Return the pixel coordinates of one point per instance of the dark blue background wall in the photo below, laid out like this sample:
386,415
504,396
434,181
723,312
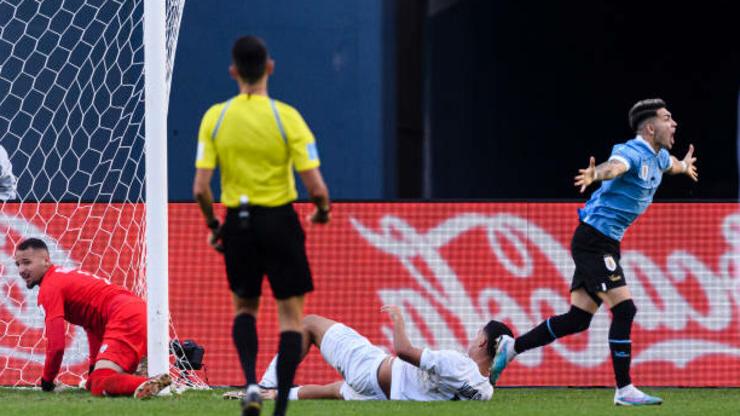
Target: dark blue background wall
332,64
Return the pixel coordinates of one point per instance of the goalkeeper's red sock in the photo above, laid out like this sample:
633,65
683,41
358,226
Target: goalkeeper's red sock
107,382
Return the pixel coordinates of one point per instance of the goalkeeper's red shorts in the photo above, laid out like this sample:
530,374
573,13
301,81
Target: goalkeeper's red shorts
124,339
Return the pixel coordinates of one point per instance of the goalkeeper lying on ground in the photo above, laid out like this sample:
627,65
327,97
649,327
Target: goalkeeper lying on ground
414,374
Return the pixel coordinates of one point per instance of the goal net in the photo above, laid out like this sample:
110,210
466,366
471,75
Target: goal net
72,113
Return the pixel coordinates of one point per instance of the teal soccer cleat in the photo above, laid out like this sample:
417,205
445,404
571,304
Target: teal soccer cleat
632,396
504,355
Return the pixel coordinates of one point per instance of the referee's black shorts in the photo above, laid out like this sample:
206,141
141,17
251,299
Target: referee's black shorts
597,262
272,243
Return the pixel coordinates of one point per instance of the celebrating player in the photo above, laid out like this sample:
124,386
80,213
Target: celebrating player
415,373
113,318
629,180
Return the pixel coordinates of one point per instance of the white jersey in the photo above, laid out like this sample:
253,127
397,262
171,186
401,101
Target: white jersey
7,180
441,375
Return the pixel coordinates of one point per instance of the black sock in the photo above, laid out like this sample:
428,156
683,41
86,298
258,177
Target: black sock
575,320
620,343
244,333
289,355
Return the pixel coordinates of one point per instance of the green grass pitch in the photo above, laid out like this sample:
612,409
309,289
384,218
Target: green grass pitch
506,401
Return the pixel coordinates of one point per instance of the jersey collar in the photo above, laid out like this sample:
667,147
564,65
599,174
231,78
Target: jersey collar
48,272
639,139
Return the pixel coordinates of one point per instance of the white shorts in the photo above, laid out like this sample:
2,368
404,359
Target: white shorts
356,359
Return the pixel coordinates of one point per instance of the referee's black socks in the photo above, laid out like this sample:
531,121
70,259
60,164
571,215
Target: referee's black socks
289,355
620,343
244,333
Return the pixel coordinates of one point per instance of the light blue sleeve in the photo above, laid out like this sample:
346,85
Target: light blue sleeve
664,160
625,155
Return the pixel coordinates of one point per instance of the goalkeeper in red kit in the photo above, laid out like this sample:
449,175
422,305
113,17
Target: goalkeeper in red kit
113,318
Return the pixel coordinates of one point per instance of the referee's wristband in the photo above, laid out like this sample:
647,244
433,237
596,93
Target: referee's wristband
213,224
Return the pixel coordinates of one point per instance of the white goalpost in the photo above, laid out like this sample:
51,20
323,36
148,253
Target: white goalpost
84,90
155,58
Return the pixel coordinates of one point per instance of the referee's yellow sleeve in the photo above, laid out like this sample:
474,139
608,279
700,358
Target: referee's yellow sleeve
301,141
206,157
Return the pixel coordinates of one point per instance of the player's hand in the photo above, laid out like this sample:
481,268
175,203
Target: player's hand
268,394
47,385
690,161
586,176
394,312
321,216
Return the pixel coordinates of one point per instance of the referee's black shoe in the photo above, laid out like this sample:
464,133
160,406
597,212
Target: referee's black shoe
252,401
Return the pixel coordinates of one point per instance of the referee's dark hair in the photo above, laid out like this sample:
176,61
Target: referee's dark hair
644,110
249,55
493,330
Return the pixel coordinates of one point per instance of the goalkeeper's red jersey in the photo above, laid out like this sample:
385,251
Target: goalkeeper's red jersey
80,298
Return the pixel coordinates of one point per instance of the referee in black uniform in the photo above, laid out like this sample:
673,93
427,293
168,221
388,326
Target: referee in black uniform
257,142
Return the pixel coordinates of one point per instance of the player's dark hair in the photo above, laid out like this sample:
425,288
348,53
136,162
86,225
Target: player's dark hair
34,243
249,55
493,330
644,110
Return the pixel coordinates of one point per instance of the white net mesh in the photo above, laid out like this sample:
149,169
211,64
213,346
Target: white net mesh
72,117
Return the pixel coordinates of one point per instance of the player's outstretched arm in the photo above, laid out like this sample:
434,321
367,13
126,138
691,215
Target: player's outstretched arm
686,166
54,352
604,172
401,343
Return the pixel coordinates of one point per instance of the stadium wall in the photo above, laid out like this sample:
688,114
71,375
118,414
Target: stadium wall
332,64
451,266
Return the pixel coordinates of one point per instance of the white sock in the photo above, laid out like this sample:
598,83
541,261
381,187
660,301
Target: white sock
293,394
269,378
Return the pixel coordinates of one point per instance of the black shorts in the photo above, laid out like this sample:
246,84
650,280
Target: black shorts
271,242
597,262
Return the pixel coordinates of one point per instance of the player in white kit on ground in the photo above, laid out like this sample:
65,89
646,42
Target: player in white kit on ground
414,373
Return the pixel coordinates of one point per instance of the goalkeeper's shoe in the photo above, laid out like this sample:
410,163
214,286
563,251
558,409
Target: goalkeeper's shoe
152,386
252,401
504,354
631,396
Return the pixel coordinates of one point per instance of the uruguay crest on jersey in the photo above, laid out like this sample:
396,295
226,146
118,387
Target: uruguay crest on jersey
644,171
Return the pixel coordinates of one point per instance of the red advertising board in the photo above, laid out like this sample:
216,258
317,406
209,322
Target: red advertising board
450,266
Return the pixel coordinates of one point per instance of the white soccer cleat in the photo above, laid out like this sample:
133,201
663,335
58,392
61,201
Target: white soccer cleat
632,396
504,354
152,386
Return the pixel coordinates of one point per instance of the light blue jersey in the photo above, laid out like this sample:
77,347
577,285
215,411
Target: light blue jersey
618,202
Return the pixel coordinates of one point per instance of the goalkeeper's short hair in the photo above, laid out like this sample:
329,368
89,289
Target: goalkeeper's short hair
34,243
493,330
